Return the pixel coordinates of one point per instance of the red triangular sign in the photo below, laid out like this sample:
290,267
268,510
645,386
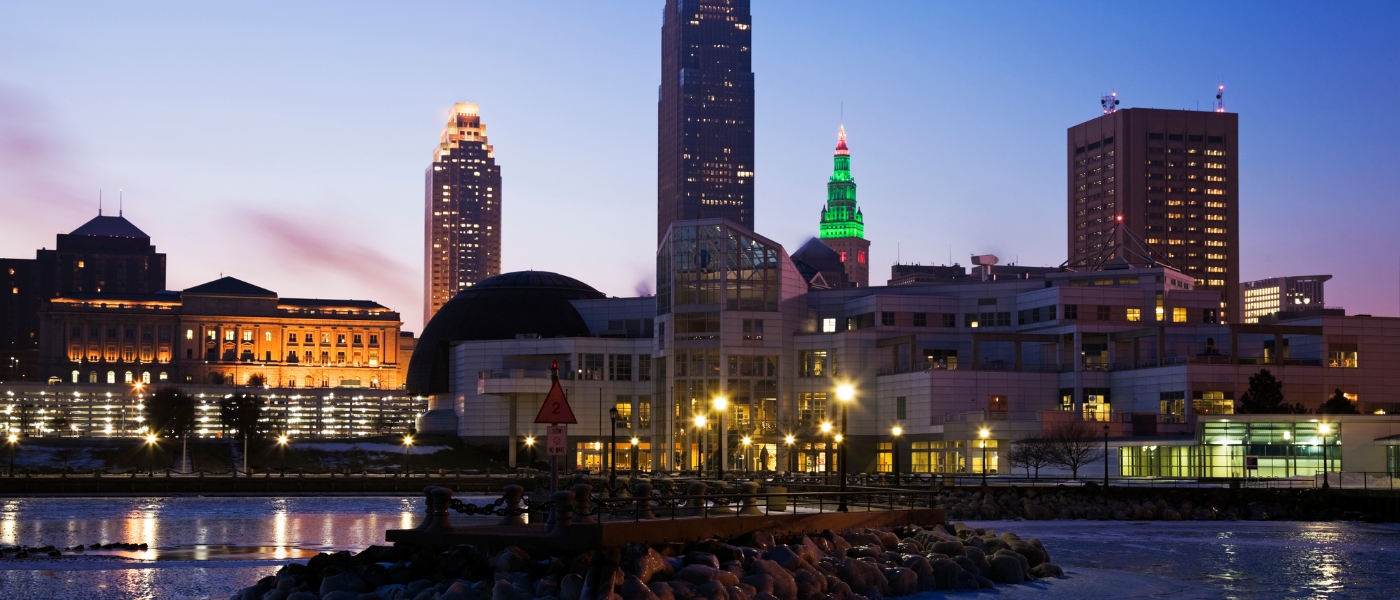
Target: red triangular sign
556,407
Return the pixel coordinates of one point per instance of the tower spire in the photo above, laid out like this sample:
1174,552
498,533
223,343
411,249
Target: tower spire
99,203
842,224
841,149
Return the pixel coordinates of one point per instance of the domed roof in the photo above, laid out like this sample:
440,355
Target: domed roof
499,308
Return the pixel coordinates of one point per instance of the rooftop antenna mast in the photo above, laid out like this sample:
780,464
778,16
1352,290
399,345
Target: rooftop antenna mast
120,202
1220,99
99,203
1109,103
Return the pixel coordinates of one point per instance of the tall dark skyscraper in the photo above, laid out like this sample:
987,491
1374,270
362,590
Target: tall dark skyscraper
1171,177
462,212
705,111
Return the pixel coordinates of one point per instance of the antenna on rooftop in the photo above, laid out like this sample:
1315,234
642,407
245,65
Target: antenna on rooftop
99,203
1220,99
1109,103
120,201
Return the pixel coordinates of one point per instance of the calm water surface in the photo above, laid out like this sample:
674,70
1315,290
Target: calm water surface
210,547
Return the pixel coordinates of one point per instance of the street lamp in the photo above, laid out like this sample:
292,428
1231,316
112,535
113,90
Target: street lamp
530,444
844,393
826,468
748,460
704,433
636,443
407,442
14,441
894,451
282,455
1324,429
612,451
1105,456
151,453
789,439
722,403
984,433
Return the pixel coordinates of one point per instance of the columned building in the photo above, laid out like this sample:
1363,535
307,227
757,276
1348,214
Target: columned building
225,332
462,211
705,158
1168,177
843,225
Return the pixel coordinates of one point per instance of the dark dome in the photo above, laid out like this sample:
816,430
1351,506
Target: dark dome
499,308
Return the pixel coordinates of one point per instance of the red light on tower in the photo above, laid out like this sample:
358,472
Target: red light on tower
1220,99
1120,218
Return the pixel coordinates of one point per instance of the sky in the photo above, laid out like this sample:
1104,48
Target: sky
285,143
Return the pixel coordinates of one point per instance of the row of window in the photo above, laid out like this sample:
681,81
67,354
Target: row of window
614,367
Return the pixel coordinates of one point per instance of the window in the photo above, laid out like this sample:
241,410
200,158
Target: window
339,358
111,376
128,378
1103,313
950,320
899,408
189,334
590,366
753,329
1178,315
358,338
921,319
228,335
1071,312
887,319
619,367
1208,315
1172,407
1134,314
624,411
643,367
291,338
325,338
1341,355
374,339
340,339
828,325
970,320
1213,403
247,336
997,405
644,410
811,409
811,363
1067,399
1096,405
884,457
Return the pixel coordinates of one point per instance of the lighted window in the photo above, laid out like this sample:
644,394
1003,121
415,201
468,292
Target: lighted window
1134,314
828,325
1178,315
247,336
267,336
189,334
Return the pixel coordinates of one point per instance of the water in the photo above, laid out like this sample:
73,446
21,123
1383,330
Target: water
210,547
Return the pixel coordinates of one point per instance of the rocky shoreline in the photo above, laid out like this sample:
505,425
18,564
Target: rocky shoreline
869,564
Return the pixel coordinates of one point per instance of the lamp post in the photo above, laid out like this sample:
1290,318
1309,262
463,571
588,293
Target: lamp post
636,443
282,455
1105,456
748,460
826,468
530,446
612,451
894,451
789,439
151,453
14,441
984,433
844,393
721,404
1324,429
704,433
407,442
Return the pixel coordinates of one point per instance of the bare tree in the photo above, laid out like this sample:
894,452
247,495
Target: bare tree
1032,453
1074,445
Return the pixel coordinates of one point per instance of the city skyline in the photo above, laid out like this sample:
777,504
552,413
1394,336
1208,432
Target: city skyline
241,206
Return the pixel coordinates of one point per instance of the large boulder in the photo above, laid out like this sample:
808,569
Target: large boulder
788,559
1005,569
701,558
923,571
948,548
701,574
1036,512
864,578
810,584
661,590
784,585
902,581
1046,569
633,588
510,560
344,582
979,559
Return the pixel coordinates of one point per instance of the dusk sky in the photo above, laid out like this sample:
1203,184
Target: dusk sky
285,143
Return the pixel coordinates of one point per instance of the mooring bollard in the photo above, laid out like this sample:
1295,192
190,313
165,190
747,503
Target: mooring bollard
513,494
563,514
583,500
749,505
720,503
694,507
437,506
642,491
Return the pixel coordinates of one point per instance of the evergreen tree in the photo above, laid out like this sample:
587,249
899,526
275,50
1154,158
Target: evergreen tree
1265,396
1338,404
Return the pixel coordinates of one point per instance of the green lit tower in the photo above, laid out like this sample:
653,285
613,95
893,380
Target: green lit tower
843,225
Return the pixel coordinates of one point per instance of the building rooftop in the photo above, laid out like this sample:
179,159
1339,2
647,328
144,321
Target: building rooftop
110,227
229,286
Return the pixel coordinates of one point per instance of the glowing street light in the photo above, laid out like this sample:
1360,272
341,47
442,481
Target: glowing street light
151,453
703,431
721,404
407,442
14,441
845,393
282,455
984,433
895,432
747,442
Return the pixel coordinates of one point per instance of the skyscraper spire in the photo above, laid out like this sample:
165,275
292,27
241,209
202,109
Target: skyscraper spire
842,224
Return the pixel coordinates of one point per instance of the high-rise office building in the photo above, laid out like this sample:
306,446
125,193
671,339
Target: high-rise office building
462,212
843,225
705,163
1293,294
1171,178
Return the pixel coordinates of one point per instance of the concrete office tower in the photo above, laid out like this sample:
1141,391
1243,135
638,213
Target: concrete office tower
1170,177
705,158
843,225
462,211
